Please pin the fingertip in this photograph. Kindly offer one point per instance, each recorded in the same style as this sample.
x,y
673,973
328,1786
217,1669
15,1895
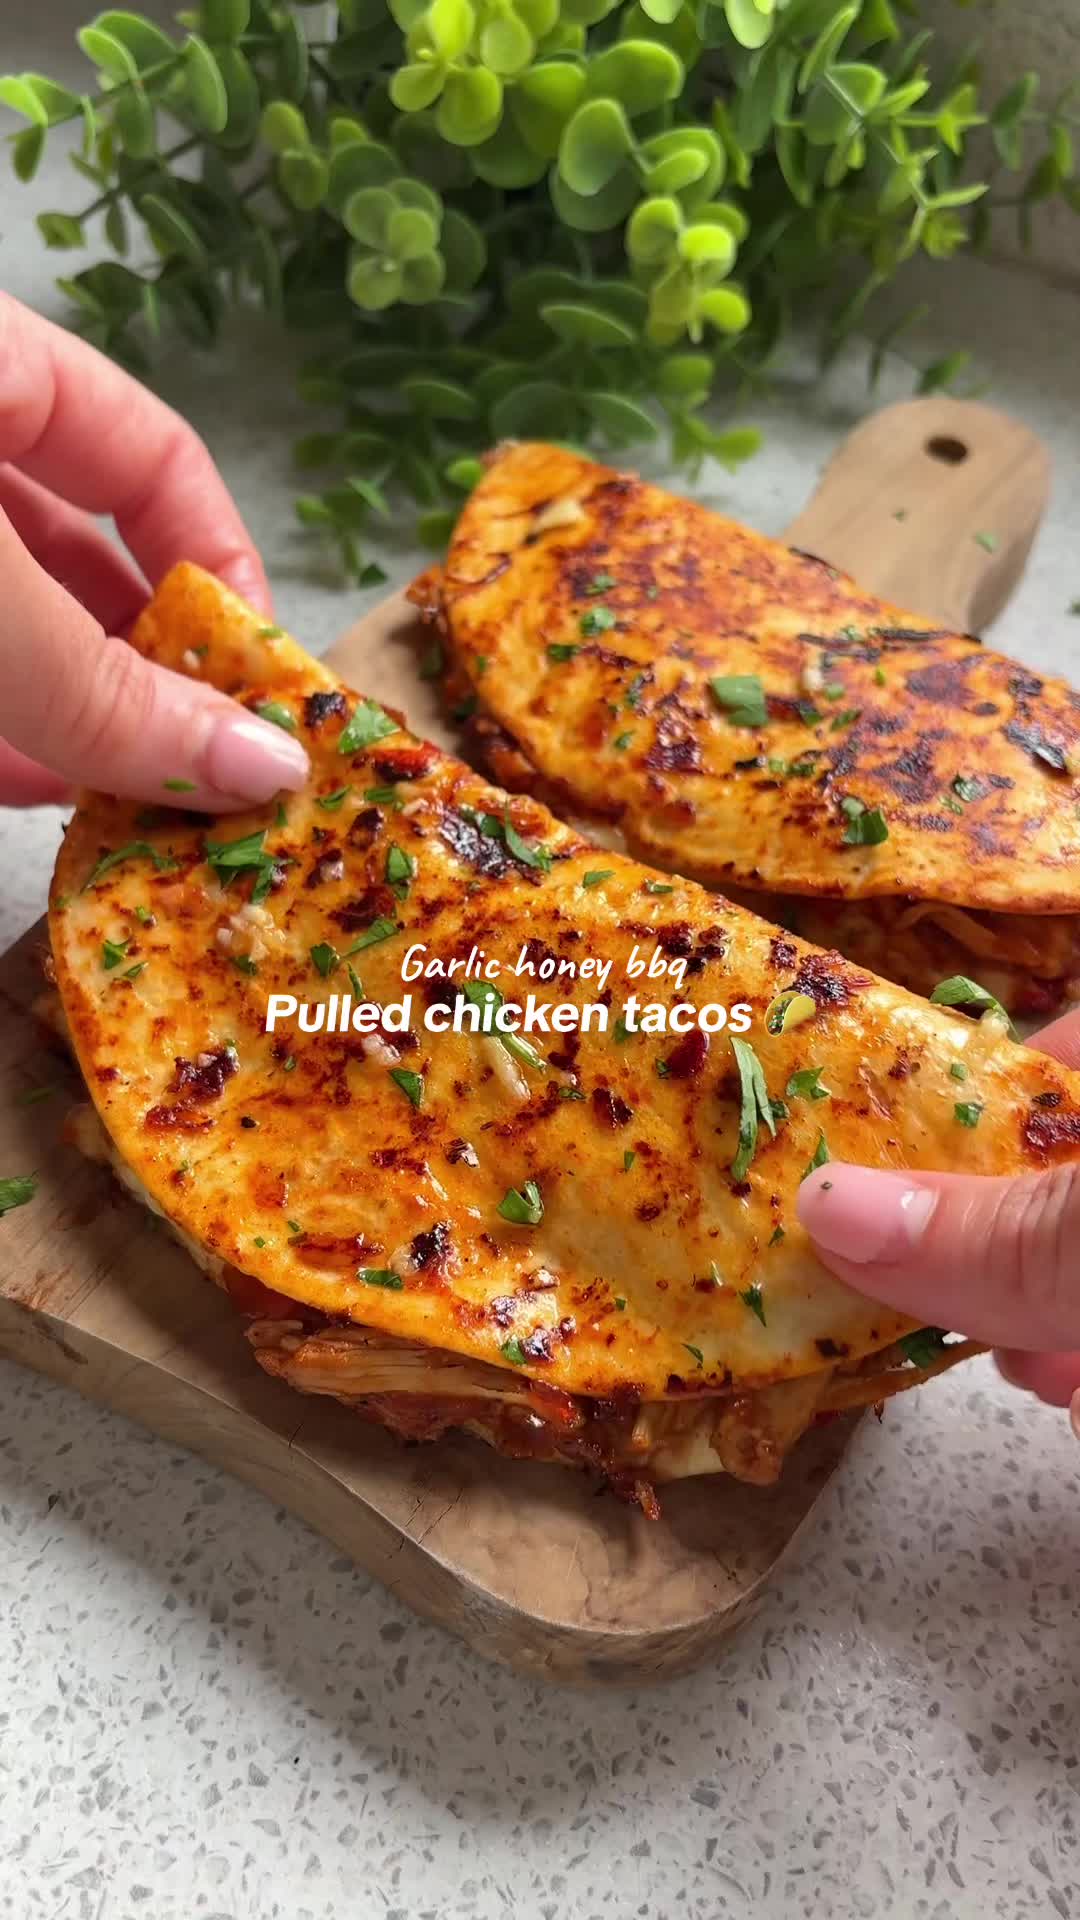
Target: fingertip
x,y
247,577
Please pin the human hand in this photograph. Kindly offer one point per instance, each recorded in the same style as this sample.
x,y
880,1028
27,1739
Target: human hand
x,y
996,1259
78,707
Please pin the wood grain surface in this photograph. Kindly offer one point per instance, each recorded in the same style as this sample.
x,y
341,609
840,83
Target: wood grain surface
x,y
525,1562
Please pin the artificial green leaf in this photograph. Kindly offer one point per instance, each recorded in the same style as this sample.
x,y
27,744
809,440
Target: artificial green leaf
x,y
417,86
26,151
622,420
109,52
438,399
133,117
303,177
653,230
225,19
640,75
470,108
464,252
204,86
587,326
506,45
61,230
594,146
506,159
283,126
750,23
147,45
542,102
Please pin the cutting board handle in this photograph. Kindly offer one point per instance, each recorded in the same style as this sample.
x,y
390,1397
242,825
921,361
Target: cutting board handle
x,y
933,503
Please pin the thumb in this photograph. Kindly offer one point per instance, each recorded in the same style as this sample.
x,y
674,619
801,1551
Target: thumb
x,y
93,710
996,1259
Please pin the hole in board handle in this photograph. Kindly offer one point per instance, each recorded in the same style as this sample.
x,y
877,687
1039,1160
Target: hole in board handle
x,y
950,451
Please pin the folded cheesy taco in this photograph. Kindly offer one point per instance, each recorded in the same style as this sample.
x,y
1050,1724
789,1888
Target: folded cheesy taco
x,y
580,1243
743,714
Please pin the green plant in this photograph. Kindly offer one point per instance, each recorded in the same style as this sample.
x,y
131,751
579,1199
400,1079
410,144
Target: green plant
x,y
573,218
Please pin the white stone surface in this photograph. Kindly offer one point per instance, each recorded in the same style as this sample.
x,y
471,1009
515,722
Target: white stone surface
x,y
206,1714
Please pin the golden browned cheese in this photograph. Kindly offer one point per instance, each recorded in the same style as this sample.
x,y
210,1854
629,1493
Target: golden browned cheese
x,y
363,1176
588,613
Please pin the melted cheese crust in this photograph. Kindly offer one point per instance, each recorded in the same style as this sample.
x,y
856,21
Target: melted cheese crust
x,y
304,1164
645,597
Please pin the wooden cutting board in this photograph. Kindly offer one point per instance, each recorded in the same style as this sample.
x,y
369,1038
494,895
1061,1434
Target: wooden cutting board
x,y
934,503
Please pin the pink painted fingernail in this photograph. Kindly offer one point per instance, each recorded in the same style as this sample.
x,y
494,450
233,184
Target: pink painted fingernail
x,y
864,1214
250,758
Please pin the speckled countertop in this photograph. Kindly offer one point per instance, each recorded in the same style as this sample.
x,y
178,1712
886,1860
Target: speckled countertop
x,y
207,1714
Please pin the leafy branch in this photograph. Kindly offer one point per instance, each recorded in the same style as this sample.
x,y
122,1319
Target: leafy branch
x,y
593,220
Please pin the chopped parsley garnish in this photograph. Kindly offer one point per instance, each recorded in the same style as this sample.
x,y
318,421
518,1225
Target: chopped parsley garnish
x,y
481,665
658,886
621,742
880,677
756,1106
530,856
806,1085
381,1277
987,541
959,991
380,929
179,786
112,952
601,583
594,879
400,870
571,1093
513,1351
277,714
596,620
269,633
741,697
833,690
135,850
294,1226
818,1158
384,797
281,818
355,982
845,719
620,1032
368,724
133,973
411,1084
866,826
562,650
634,691
808,713
967,789
752,1299
524,1208
662,1069
628,1159
144,916
244,963
968,1112
324,959
924,1346
330,802
248,855
696,1351
620,1303
776,1236
258,1241
958,1070
289,1065
17,1192
481,993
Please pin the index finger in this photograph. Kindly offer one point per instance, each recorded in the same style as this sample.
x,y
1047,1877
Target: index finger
x,y
81,426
